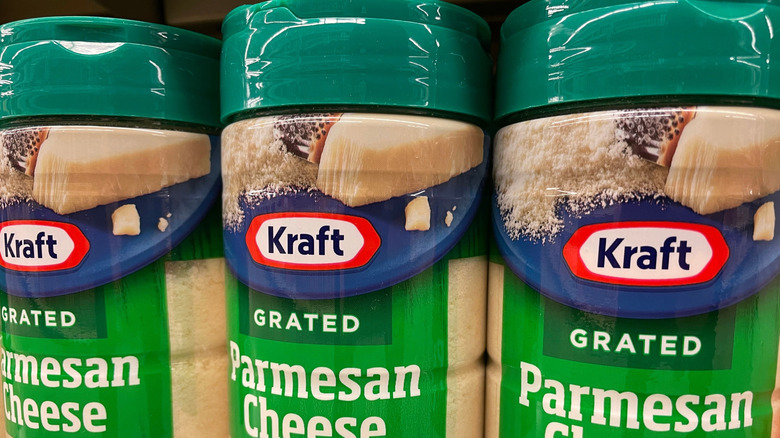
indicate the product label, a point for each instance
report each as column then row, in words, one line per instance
column 41, row 246
column 95, row 293
column 73, row 316
column 356, row 273
column 363, row 320
column 646, row 261
column 701, row 342
column 311, row 241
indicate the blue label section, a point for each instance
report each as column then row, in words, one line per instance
column 749, row 267
column 641, row 213
column 390, row 264
column 110, row 257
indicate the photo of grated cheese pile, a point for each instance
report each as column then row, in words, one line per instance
column 258, row 166
column 572, row 162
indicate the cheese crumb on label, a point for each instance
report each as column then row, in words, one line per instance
column 126, row 221
column 162, row 224
column 448, row 219
column 418, row 214
column 764, row 222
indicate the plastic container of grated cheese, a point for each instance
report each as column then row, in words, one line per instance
column 111, row 268
column 353, row 163
column 634, row 282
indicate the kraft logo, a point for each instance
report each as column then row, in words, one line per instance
column 646, row 253
column 41, row 246
column 311, row 241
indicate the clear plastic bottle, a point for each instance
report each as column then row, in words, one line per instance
column 636, row 174
column 353, row 163
column 111, row 272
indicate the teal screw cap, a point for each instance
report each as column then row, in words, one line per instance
column 428, row 55
column 104, row 67
column 565, row 51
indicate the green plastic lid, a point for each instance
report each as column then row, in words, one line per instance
column 428, row 55
column 565, row 51
column 104, row 67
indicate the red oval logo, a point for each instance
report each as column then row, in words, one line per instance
column 646, row 253
column 311, row 241
column 41, row 246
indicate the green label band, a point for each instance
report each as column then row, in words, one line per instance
column 143, row 356
column 634, row 284
column 398, row 362
column 357, row 284
column 702, row 342
column 75, row 316
column 706, row 375
column 362, row 320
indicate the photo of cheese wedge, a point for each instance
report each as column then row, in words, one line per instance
column 372, row 157
column 726, row 157
column 80, row 168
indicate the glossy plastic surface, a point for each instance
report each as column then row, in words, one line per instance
column 557, row 51
column 615, row 273
column 425, row 55
column 364, row 249
column 90, row 66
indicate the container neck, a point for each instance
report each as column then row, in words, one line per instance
column 634, row 102
column 370, row 109
column 120, row 122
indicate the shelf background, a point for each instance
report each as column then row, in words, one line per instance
column 145, row 10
